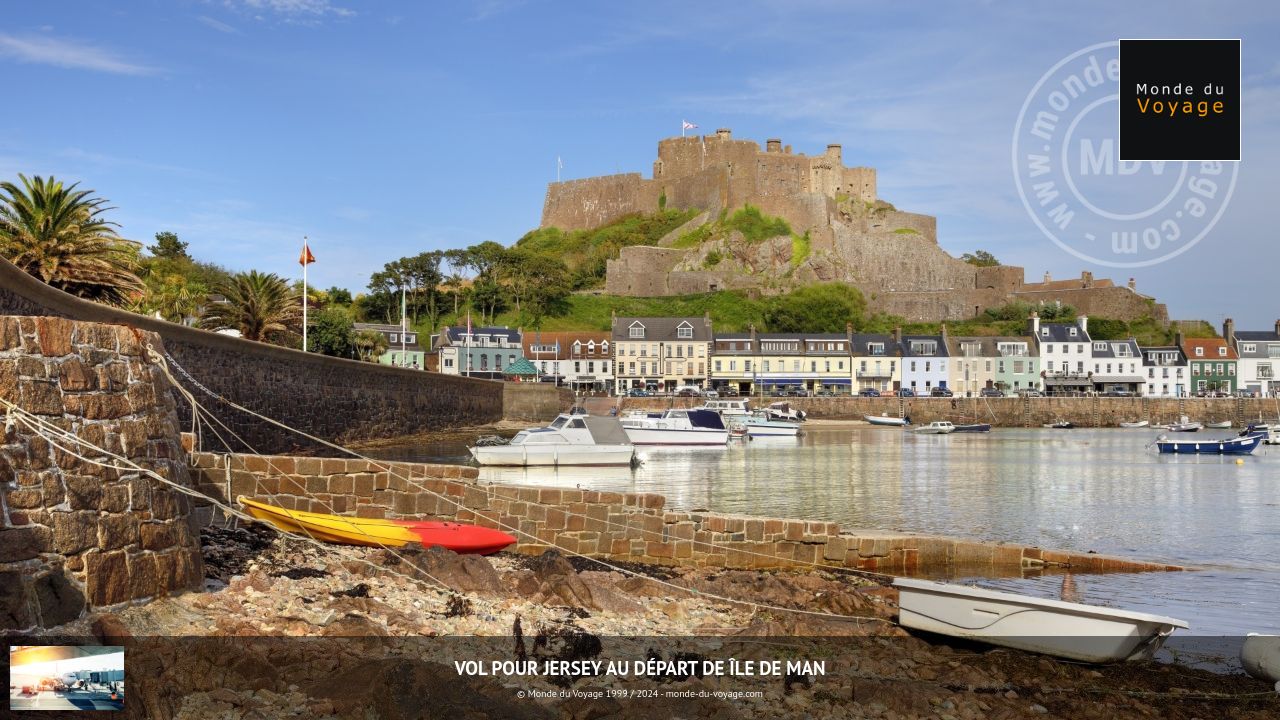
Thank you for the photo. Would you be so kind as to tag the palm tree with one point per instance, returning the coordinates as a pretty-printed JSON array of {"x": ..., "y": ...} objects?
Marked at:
[
  {"x": 57, "y": 233},
  {"x": 256, "y": 304},
  {"x": 371, "y": 344},
  {"x": 454, "y": 284}
]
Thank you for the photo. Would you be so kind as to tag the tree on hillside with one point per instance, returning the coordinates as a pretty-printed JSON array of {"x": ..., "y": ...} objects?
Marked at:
[
  {"x": 485, "y": 258},
  {"x": 487, "y": 297},
  {"x": 536, "y": 280},
  {"x": 825, "y": 307},
  {"x": 981, "y": 258},
  {"x": 422, "y": 272},
  {"x": 332, "y": 332},
  {"x": 58, "y": 234},
  {"x": 169, "y": 247},
  {"x": 261, "y": 306}
]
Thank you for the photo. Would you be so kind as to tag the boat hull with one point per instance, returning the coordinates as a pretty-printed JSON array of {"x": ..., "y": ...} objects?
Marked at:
[
  {"x": 553, "y": 454},
  {"x": 885, "y": 420},
  {"x": 380, "y": 532},
  {"x": 669, "y": 436},
  {"x": 973, "y": 428},
  {"x": 1132, "y": 425},
  {"x": 1260, "y": 657},
  {"x": 1230, "y": 446},
  {"x": 1067, "y": 630}
]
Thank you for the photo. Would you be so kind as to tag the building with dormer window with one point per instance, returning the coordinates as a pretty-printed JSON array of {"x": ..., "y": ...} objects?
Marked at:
[
  {"x": 579, "y": 360},
  {"x": 1213, "y": 365},
  {"x": 1066, "y": 355},
  {"x": 1259, "y": 363},
  {"x": 924, "y": 361},
  {"x": 754, "y": 363},
  {"x": 483, "y": 352},
  {"x": 403, "y": 349},
  {"x": 1167, "y": 371},
  {"x": 660, "y": 354}
]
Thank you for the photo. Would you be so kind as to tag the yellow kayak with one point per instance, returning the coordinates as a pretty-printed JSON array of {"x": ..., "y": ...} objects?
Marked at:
[{"x": 380, "y": 532}]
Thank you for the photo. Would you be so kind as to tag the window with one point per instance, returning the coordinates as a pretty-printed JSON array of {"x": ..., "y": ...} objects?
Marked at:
[
  {"x": 1249, "y": 348},
  {"x": 411, "y": 339},
  {"x": 1073, "y": 332},
  {"x": 1017, "y": 367},
  {"x": 448, "y": 362},
  {"x": 1099, "y": 347},
  {"x": 1264, "y": 371},
  {"x": 924, "y": 347},
  {"x": 633, "y": 368},
  {"x": 1122, "y": 350},
  {"x": 1050, "y": 368},
  {"x": 988, "y": 366},
  {"x": 971, "y": 348},
  {"x": 1199, "y": 352},
  {"x": 1222, "y": 352},
  {"x": 717, "y": 366},
  {"x": 1195, "y": 367},
  {"x": 876, "y": 348},
  {"x": 999, "y": 366},
  {"x": 684, "y": 331},
  {"x": 913, "y": 368},
  {"x": 1044, "y": 332},
  {"x": 1080, "y": 349},
  {"x": 637, "y": 330},
  {"x": 766, "y": 366},
  {"x": 1231, "y": 368},
  {"x": 1273, "y": 350},
  {"x": 577, "y": 367},
  {"x": 746, "y": 366},
  {"x": 733, "y": 365},
  {"x": 395, "y": 337},
  {"x": 1048, "y": 348}
]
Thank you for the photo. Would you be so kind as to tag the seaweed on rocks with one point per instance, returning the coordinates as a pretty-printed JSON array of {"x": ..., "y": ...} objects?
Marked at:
[
  {"x": 359, "y": 591},
  {"x": 300, "y": 573},
  {"x": 229, "y": 551}
]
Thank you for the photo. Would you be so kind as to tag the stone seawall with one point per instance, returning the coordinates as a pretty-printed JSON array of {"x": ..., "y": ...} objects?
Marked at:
[
  {"x": 1012, "y": 412},
  {"x": 340, "y": 400},
  {"x": 616, "y": 526},
  {"x": 76, "y": 536}
]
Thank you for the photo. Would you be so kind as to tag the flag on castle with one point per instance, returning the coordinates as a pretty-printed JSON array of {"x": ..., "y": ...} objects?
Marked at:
[
  {"x": 306, "y": 258},
  {"x": 686, "y": 125}
]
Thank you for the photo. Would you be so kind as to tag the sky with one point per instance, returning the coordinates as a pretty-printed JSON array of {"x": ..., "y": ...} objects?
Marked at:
[{"x": 383, "y": 129}]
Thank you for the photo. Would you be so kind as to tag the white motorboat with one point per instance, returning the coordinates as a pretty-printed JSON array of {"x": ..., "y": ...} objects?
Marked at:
[
  {"x": 1270, "y": 433},
  {"x": 886, "y": 420},
  {"x": 571, "y": 439},
  {"x": 761, "y": 424},
  {"x": 675, "y": 427},
  {"x": 1074, "y": 631},
  {"x": 937, "y": 427},
  {"x": 1135, "y": 424},
  {"x": 728, "y": 408},
  {"x": 784, "y": 411},
  {"x": 1219, "y": 425},
  {"x": 1184, "y": 424},
  {"x": 1260, "y": 657}
]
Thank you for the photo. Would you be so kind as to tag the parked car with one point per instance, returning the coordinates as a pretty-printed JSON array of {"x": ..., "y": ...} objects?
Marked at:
[
  {"x": 711, "y": 394},
  {"x": 1118, "y": 393},
  {"x": 904, "y": 392},
  {"x": 869, "y": 392},
  {"x": 940, "y": 392},
  {"x": 991, "y": 392},
  {"x": 796, "y": 392},
  {"x": 638, "y": 392},
  {"x": 729, "y": 392},
  {"x": 1030, "y": 393},
  {"x": 688, "y": 391}
]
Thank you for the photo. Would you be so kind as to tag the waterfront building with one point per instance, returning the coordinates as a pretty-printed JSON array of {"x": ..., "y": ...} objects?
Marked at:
[
  {"x": 1004, "y": 363},
  {"x": 483, "y": 352},
  {"x": 1259, "y": 358},
  {"x": 1213, "y": 365},
  {"x": 765, "y": 363},
  {"x": 1066, "y": 355},
  {"x": 408, "y": 353},
  {"x": 877, "y": 362},
  {"x": 1167, "y": 371},
  {"x": 1117, "y": 367},
  {"x": 660, "y": 353},
  {"x": 924, "y": 361},
  {"x": 581, "y": 360}
]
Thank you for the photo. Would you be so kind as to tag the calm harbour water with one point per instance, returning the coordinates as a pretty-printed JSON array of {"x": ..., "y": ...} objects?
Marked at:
[{"x": 1100, "y": 490}]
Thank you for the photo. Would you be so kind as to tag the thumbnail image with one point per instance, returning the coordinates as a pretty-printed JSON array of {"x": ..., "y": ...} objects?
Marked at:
[{"x": 66, "y": 677}]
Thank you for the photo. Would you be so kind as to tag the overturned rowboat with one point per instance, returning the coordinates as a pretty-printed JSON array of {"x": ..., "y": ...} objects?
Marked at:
[
  {"x": 380, "y": 532},
  {"x": 1074, "y": 631}
]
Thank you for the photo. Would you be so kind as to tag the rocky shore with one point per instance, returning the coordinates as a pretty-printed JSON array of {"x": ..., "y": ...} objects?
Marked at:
[{"x": 285, "y": 629}]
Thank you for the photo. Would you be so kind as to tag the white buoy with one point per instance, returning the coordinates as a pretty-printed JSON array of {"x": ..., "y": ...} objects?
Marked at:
[{"x": 1260, "y": 657}]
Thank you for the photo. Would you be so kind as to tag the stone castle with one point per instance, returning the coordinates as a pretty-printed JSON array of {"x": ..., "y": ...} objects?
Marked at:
[{"x": 849, "y": 235}]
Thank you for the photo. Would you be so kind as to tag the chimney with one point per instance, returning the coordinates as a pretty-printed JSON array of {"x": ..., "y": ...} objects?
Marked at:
[
  {"x": 1086, "y": 278},
  {"x": 897, "y": 334},
  {"x": 1033, "y": 323},
  {"x": 1083, "y": 323},
  {"x": 1278, "y": 327},
  {"x": 773, "y": 145},
  {"x": 752, "y": 328},
  {"x": 943, "y": 330},
  {"x": 1177, "y": 338},
  {"x": 1229, "y": 331},
  {"x": 848, "y": 333}
]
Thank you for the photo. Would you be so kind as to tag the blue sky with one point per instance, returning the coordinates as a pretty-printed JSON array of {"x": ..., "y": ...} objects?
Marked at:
[{"x": 383, "y": 129}]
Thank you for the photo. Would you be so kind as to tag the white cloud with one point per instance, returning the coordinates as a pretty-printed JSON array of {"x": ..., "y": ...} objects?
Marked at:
[
  {"x": 45, "y": 50},
  {"x": 294, "y": 11},
  {"x": 217, "y": 25}
]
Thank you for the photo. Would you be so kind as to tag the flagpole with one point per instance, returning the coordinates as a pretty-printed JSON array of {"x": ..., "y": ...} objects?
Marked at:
[
  {"x": 558, "y": 166},
  {"x": 304, "y": 293},
  {"x": 404, "y": 358}
]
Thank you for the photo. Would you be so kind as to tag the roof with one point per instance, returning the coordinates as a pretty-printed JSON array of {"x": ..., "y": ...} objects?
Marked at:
[
  {"x": 1061, "y": 332},
  {"x": 1148, "y": 349},
  {"x": 391, "y": 330},
  {"x": 520, "y": 367},
  {"x": 563, "y": 341},
  {"x": 860, "y": 341},
  {"x": 1210, "y": 347},
  {"x": 908, "y": 351},
  {"x": 1257, "y": 338},
  {"x": 989, "y": 344},
  {"x": 1112, "y": 345},
  {"x": 662, "y": 328}
]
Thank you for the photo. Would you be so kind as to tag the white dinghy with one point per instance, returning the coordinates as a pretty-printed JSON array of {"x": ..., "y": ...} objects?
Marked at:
[
  {"x": 1260, "y": 657},
  {"x": 1087, "y": 633}
]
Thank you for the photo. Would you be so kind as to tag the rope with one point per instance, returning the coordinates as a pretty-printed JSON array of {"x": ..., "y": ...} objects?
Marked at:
[{"x": 390, "y": 470}]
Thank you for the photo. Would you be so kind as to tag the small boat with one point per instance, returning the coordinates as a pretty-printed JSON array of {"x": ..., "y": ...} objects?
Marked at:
[
  {"x": 379, "y": 532},
  {"x": 937, "y": 427},
  {"x": 1135, "y": 424},
  {"x": 1260, "y": 657},
  {"x": 1059, "y": 425},
  {"x": 1270, "y": 433},
  {"x": 973, "y": 428},
  {"x": 1184, "y": 424},
  {"x": 762, "y": 424},
  {"x": 728, "y": 408},
  {"x": 1074, "y": 631},
  {"x": 1219, "y": 425},
  {"x": 675, "y": 427},
  {"x": 784, "y": 411},
  {"x": 571, "y": 439},
  {"x": 887, "y": 421},
  {"x": 1239, "y": 445}
]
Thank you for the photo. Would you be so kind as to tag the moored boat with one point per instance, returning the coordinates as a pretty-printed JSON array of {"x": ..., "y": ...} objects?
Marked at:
[
  {"x": 1074, "y": 631},
  {"x": 887, "y": 421},
  {"x": 1219, "y": 425},
  {"x": 937, "y": 427},
  {"x": 728, "y": 408},
  {"x": 784, "y": 411},
  {"x": 675, "y": 427},
  {"x": 1059, "y": 425},
  {"x": 1184, "y": 424},
  {"x": 1135, "y": 424},
  {"x": 973, "y": 428},
  {"x": 761, "y": 424},
  {"x": 1260, "y": 657},
  {"x": 1270, "y": 433},
  {"x": 571, "y": 439},
  {"x": 380, "y": 532},
  {"x": 1239, "y": 445}
]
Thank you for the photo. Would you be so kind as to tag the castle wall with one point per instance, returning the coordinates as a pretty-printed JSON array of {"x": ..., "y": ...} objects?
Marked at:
[
  {"x": 592, "y": 202},
  {"x": 1112, "y": 302},
  {"x": 641, "y": 271}
]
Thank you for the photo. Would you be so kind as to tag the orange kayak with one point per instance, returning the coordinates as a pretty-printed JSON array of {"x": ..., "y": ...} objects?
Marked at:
[{"x": 380, "y": 532}]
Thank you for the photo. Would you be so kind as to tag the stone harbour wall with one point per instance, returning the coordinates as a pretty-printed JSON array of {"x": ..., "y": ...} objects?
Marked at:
[
  {"x": 612, "y": 525},
  {"x": 75, "y": 536}
]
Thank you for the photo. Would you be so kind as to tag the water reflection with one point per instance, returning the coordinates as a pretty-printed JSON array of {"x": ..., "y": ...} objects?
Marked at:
[{"x": 1099, "y": 490}]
